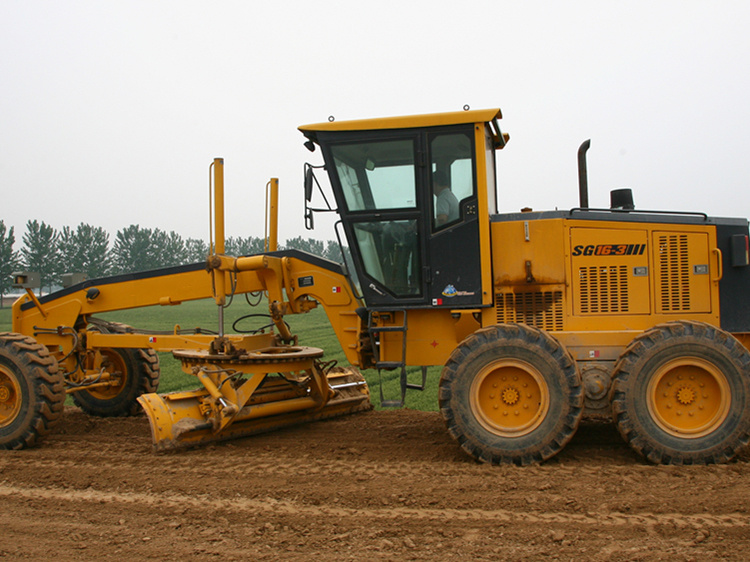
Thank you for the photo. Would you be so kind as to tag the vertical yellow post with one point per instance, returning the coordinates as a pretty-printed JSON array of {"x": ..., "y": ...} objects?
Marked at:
[
  {"x": 219, "y": 205},
  {"x": 272, "y": 241},
  {"x": 219, "y": 274}
]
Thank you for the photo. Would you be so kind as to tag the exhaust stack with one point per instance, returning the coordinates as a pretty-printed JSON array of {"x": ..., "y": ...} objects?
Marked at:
[{"x": 583, "y": 181}]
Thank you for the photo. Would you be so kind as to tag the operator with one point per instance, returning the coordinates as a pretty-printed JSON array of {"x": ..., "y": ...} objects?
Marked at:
[{"x": 446, "y": 204}]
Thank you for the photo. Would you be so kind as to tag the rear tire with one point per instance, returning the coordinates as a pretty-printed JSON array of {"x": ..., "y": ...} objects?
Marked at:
[
  {"x": 32, "y": 394},
  {"x": 139, "y": 370},
  {"x": 511, "y": 394},
  {"x": 681, "y": 394}
]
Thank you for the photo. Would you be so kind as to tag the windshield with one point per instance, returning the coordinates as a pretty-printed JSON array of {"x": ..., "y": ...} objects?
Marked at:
[{"x": 377, "y": 175}]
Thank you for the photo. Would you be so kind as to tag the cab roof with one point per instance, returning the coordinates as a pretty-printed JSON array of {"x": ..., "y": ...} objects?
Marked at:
[{"x": 405, "y": 122}]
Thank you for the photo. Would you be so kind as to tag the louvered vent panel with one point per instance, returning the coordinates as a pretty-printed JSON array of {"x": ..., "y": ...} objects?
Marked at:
[
  {"x": 539, "y": 309},
  {"x": 674, "y": 277},
  {"x": 603, "y": 289}
]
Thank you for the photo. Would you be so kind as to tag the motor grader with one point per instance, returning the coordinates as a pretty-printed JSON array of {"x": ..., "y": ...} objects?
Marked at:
[{"x": 536, "y": 318}]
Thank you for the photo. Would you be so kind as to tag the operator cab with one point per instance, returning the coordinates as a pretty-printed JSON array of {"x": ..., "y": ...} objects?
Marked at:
[{"x": 414, "y": 195}]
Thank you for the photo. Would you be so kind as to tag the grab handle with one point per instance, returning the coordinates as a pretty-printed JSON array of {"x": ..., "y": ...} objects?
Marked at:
[{"x": 719, "y": 265}]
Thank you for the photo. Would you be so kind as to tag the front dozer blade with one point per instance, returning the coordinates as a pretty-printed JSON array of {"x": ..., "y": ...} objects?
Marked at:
[{"x": 177, "y": 420}]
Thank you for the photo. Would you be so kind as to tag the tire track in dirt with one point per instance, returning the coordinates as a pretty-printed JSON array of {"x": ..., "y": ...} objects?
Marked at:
[
  {"x": 285, "y": 507},
  {"x": 380, "y": 485},
  {"x": 279, "y": 463}
]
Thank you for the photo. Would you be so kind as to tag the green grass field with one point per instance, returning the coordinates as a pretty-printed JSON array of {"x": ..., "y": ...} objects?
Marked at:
[{"x": 312, "y": 328}]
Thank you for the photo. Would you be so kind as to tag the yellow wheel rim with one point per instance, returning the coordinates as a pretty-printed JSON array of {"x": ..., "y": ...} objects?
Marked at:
[
  {"x": 10, "y": 397},
  {"x": 689, "y": 398},
  {"x": 509, "y": 398},
  {"x": 114, "y": 365}
]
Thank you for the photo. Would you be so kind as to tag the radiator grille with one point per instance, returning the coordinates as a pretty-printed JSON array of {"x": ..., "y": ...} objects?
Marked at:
[
  {"x": 603, "y": 289},
  {"x": 541, "y": 309},
  {"x": 674, "y": 272}
]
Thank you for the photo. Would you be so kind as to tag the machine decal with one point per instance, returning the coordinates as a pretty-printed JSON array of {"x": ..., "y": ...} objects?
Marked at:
[
  {"x": 450, "y": 292},
  {"x": 609, "y": 250}
]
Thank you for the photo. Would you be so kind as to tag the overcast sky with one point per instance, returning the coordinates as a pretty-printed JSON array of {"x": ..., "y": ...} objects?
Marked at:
[{"x": 111, "y": 112}]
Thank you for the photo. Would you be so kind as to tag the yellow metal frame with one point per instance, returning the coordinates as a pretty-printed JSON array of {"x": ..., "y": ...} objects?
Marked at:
[
  {"x": 230, "y": 368},
  {"x": 479, "y": 116}
]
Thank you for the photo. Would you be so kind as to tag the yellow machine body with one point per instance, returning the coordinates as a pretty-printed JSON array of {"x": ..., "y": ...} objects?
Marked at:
[
  {"x": 535, "y": 317},
  {"x": 576, "y": 280}
]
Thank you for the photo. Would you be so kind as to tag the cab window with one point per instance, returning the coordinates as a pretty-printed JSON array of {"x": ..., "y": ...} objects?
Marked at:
[{"x": 452, "y": 177}]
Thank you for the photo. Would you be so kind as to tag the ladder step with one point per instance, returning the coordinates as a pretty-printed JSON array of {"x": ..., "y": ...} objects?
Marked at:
[
  {"x": 389, "y": 365},
  {"x": 388, "y": 329}
]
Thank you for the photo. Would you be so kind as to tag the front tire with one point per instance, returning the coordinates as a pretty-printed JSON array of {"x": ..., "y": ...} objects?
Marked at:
[
  {"x": 32, "y": 395},
  {"x": 511, "y": 394},
  {"x": 138, "y": 373},
  {"x": 681, "y": 394}
]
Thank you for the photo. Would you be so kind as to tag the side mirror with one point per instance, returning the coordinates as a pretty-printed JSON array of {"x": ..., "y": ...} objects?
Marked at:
[{"x": 308, "y": 184}]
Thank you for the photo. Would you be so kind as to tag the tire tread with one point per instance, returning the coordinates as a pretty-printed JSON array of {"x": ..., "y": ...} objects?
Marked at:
[
  {"x": 46, "y": 382},
  {"x": 524, "y": 336},
  {"x": 626, "y": 372}
]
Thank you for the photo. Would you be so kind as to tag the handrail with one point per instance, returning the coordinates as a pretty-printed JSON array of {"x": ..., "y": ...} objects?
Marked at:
[{"x": 640, "y": 211}]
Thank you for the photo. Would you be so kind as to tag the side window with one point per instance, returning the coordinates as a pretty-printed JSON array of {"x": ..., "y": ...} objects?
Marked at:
[{"x": 452, "y": 177}]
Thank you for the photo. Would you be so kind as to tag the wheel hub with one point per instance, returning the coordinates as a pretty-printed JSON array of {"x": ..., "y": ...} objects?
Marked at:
[
  {"x": 686, "y": 395},
  {"x": 115, "y": 371},
  {"x": 689, "y": 397},
  {"x": 10, "y": 398},
  {"x": 510, "y": 398}
]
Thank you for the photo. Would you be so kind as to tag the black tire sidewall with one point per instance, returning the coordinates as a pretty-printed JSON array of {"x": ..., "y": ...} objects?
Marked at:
[
  {"x": 41, "y": 390},
  {"x": 558, "y": 373},
  {"x": 645, "y": 434}
]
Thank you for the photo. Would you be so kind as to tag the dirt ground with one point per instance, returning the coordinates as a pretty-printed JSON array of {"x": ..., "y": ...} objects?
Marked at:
[{"x": 387, "y": 485}]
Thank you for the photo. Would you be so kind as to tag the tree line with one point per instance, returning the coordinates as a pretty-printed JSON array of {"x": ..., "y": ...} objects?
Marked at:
[{"x": 87, "y": 249}]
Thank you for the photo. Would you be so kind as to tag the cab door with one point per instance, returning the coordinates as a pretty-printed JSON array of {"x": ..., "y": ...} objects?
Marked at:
[{"x": 452, "y": 228}]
